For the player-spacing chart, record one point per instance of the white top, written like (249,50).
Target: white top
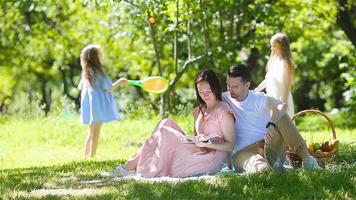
(277,82)
(252,118)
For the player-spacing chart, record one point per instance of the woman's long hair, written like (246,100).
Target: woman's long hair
(281,41)
(210,77)
(91,62)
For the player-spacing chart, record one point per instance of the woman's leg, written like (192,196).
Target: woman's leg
(131,164)
(171,123)
(92,140)
(151,143)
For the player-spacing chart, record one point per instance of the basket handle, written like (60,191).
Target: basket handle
(331,125)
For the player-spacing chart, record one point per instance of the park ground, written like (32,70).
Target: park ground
(42,158)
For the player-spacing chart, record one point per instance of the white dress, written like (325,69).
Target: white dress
(277,82)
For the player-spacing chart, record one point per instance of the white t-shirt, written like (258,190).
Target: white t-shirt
(252,118)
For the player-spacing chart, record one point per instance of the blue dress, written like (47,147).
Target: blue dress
(97,105)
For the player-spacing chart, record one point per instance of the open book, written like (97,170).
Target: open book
(189,138)
(214,138)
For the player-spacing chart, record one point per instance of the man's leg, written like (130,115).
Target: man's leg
(291,136)
(293,139)
(274,148)
(249,160)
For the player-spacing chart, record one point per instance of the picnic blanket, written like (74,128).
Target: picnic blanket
(225,171)
(137,177)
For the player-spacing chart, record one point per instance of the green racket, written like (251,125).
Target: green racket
(154,84)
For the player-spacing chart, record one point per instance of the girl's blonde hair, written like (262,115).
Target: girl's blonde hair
(91,59)
(281,41)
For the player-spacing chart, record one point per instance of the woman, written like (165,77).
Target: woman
(280,72)
(167,152)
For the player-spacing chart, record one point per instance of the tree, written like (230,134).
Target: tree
(40,43)
(346,18)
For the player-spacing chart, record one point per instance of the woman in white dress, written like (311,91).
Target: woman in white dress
(280,72)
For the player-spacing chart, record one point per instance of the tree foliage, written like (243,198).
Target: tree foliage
(40,43)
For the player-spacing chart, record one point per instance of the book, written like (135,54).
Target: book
(189,138)
(212,137)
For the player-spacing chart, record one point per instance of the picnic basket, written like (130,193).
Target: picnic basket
(322,156)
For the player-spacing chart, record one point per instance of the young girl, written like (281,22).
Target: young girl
(280,72)
(97,102)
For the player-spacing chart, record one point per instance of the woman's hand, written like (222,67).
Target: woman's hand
(199,141)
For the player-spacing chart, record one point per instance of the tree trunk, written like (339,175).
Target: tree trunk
(175,53)
(221,29)
(207,45)
(3,106)
(189,44)
(155,46)
(345,22)
(231,27)
(172,84)
(255,69)
(65,91)
(158,61)
(46,97)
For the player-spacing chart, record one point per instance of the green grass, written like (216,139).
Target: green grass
(45,154)
(57,140)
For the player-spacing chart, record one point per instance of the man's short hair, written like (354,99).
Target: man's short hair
(240,70)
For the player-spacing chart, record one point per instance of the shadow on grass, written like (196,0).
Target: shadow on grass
(337,181)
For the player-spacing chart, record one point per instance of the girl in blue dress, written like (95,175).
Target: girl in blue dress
(97,103)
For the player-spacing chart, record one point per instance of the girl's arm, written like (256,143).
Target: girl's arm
(119,82)
(261,86)
(227,124)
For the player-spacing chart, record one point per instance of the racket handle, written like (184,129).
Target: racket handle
(135,83)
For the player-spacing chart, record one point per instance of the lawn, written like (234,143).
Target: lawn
(42,158)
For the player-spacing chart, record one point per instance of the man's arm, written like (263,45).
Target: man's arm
(277,107)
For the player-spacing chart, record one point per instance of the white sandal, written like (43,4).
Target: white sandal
(119,171)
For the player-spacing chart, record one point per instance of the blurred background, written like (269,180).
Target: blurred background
(40,43)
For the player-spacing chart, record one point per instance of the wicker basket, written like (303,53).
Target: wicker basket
(322,157)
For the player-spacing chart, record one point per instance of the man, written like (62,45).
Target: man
(258,114)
